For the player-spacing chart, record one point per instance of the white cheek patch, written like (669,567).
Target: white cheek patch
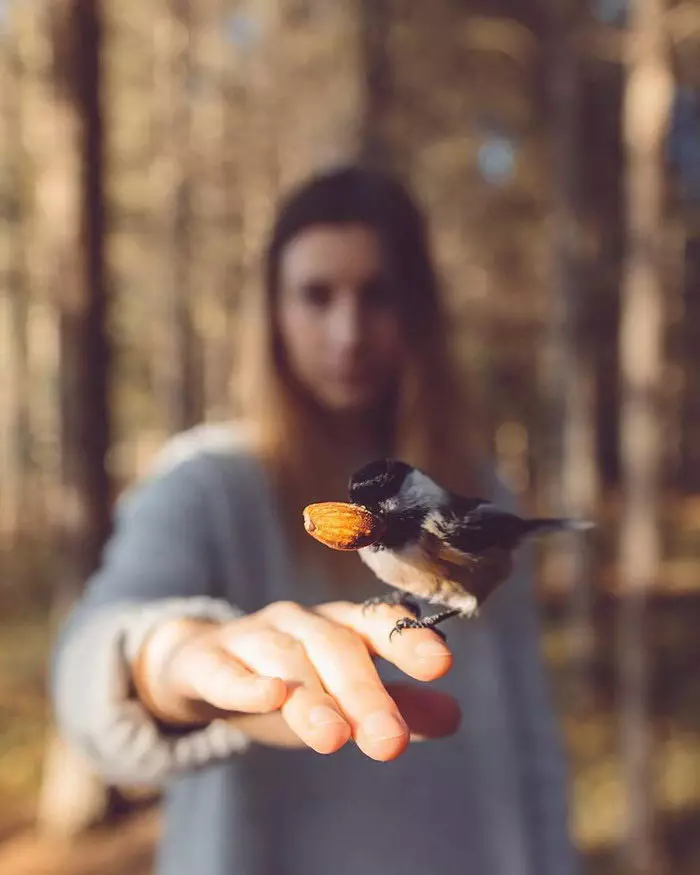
(419,489)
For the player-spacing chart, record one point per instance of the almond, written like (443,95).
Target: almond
(342,526)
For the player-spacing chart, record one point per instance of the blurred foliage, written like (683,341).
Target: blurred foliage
(23,713)
(213,108)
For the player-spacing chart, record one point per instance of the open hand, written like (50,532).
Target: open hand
(294,676)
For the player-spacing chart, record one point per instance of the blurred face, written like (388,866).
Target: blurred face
(338,317)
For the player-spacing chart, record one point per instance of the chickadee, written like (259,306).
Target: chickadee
(441,547)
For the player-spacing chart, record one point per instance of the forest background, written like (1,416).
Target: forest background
(556,146)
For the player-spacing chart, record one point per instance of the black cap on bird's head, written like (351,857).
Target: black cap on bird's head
(378,481)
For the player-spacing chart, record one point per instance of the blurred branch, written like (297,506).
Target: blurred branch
(683,21)
(612,44)
(502,35)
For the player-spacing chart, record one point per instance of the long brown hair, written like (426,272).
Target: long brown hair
(426,425)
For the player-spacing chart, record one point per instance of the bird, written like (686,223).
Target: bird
(426,542)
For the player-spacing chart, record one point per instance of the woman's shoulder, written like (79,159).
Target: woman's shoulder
(196,465)
(199,445)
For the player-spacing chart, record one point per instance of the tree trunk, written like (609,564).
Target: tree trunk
(374,24)
(215,129)
(690,345)
(17,493)
(71,796)
(177,368)
(261,180)
(572,467)
(648,93)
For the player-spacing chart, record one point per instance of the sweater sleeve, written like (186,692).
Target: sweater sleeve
(544,774)
(157,565)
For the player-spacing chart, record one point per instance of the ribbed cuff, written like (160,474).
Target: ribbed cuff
(148,615)
(122,738)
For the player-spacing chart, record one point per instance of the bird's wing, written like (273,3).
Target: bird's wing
(476,573)
(474,525)
(441,552)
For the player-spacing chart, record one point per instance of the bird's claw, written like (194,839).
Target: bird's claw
(394,598)
(415,623)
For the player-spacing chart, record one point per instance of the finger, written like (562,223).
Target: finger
(268,729)
(308,710)
(418,652)
(429,713)
(207,673)
(347,672)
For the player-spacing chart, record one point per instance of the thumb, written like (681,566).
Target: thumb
(209,674)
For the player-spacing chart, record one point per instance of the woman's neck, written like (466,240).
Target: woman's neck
(359,437)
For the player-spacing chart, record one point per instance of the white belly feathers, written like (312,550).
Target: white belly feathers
(406,570)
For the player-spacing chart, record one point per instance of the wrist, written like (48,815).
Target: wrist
(153,679)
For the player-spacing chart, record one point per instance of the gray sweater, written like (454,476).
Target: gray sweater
(200,537)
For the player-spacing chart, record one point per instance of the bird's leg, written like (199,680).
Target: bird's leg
(427,623)
(395,597)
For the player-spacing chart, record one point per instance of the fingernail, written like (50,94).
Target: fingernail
(322,715)
(382,725)
(431,648)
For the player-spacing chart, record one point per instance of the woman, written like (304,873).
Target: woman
(222,652)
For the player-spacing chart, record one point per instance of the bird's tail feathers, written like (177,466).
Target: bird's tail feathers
(544,525)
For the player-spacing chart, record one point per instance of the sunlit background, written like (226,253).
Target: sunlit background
(556,146)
